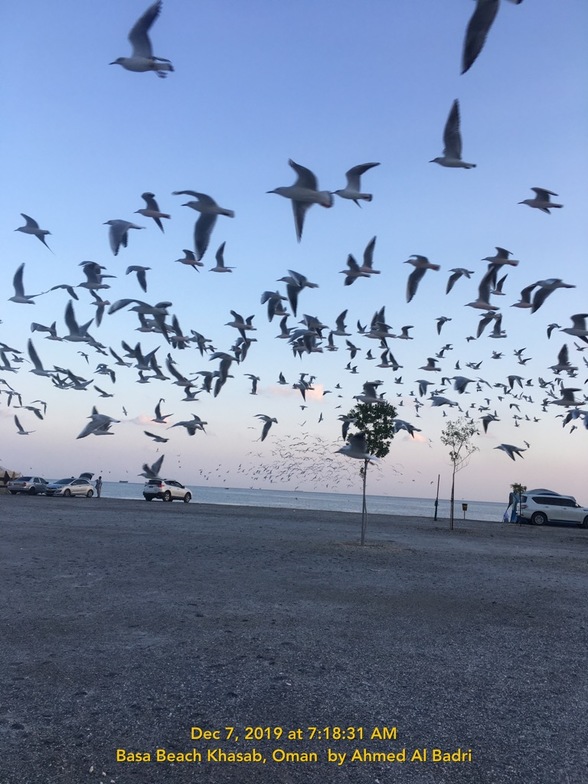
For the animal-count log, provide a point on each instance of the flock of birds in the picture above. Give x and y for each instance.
(373, 340)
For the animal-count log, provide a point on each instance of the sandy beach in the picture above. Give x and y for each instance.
(169, 642)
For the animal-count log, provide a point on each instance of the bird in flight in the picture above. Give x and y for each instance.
(142, 58)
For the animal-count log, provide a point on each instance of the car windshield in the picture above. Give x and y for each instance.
(62, 482)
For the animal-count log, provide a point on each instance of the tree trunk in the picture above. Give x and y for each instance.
(452, 499)
(364, 505)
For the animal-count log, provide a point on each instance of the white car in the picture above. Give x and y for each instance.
(167, 490)
(544, 506)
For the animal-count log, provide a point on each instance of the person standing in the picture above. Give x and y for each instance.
(99, 487)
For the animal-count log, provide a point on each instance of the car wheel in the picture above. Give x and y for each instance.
(539, 518)
(167, 496)
(89, 494)
(148, 497)
(13, 492)
(187, 498)
(67, 493)
(585, 522)
(32, 491)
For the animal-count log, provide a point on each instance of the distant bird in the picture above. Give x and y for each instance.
(141, 273)
(159, 417)
(457, 274)
(421, 264)
(220, 261)
(156, 438)
(274, 304)
(440, 322)
(451, 157)
(142, 58)
(502, 257)
(38, 368)
(567, 398)
(303, 194)
(19, 294)
(484, 290)
(295, 282)
(578, 328)
(151, 210)
(511, 450)
(191, 425)
(352, 190)
(545, 288)
(477, 30)
(119, 233)
(353, 271)
(20, 428)
(32, 227)
(268, 422)
(190, 260)
(209, 211)
(542, 200)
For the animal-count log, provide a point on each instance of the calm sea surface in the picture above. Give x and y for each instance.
(332, 502)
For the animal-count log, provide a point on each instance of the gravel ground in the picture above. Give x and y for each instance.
(134, 627)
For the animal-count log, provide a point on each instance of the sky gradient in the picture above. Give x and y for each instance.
(329, 85)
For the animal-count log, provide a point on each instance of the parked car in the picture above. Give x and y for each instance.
(544, 506)
(167, 490)
(71, 486)
(32, 485)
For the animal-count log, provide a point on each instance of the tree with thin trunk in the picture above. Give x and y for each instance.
(458, 437)
(375, 425)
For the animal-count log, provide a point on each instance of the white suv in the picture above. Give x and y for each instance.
(167, 490)
(544, 506)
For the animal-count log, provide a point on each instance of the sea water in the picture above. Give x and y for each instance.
(331, 502)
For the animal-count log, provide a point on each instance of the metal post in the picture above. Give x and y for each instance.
(437, 496)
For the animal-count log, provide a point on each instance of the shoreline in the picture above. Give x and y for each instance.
(127, 624)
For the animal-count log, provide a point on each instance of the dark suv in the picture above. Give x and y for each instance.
(544, 506)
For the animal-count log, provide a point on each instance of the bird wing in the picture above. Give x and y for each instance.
(477, 30)
(202, 231)
(451, 134)
(17, 282)
(306, 179)
(138, 34)
(355, 173)
(299, 208)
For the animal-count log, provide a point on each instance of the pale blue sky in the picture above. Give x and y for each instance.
(330, 85)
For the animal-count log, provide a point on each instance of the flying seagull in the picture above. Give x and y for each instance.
(152, 471)
(32, 227)
(353, 188)
(511, 450)
(151, 209)
(268, 422)
(119, 233)
(19, 293)
(142, 58)
(303, 194)
(542, 200)
(421, 264)
(452, 142)
(209, 211)
(21, 430)
(356, 447)
(220, 265)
